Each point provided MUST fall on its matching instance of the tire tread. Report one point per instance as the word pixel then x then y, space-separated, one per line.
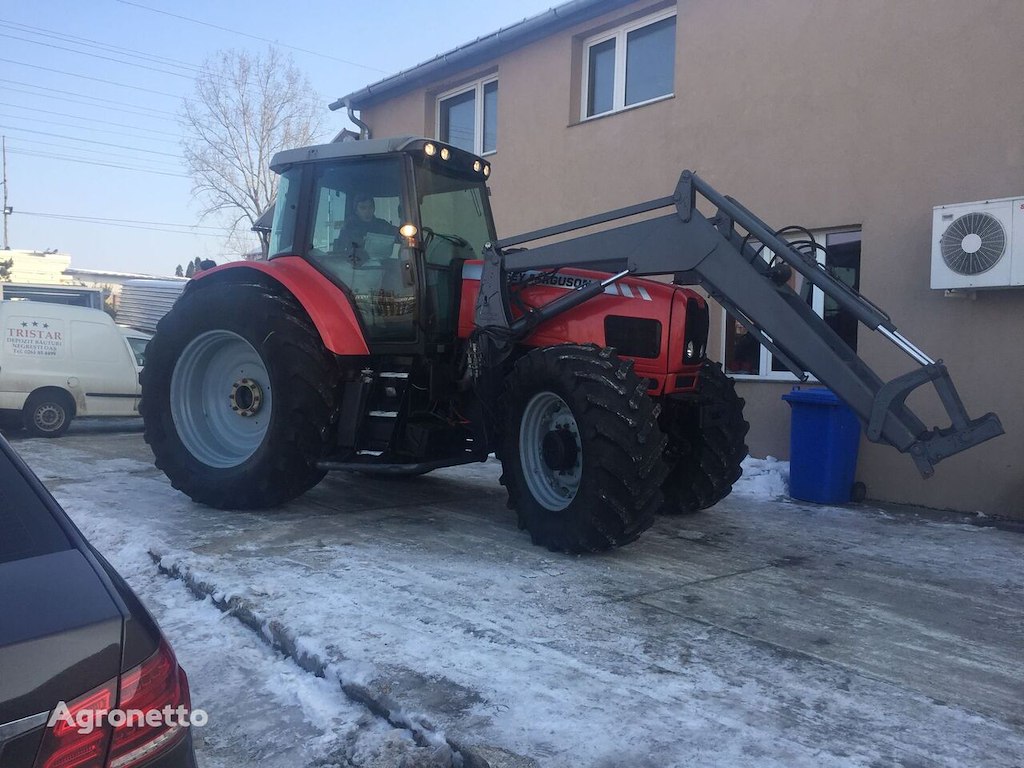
pixel 706 444
pixel 303 374
pixel 622 443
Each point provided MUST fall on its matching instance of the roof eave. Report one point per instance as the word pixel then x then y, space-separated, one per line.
pixel 478 52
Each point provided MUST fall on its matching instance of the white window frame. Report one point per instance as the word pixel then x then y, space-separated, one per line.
pixel 620 35
pixel 478 112
pixel 765 372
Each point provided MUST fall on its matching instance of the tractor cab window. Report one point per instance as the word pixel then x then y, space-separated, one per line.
pixel 357 210
pixel 455 223
pixel 454 214
pixel 282 233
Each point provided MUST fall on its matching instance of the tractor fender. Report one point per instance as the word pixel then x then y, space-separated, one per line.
pixel 325 303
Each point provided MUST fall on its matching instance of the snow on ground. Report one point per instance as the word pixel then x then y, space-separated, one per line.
pixel 263 710
pixel 766 479
pixel 425 594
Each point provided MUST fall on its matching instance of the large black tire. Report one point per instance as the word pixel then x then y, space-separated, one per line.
pixel 595 440
pixel 705 444
pixel 195 439
pixel 48 412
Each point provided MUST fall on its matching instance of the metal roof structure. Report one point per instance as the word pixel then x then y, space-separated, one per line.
pixel 144 302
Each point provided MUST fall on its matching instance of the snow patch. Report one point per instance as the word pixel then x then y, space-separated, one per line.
pixel 766 478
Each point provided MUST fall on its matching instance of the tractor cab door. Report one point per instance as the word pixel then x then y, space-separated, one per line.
pixel 455 223
pixel 357 207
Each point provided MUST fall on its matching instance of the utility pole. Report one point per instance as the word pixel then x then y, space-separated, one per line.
pixel 7 209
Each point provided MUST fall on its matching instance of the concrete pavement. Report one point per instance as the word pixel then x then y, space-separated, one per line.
pixel 761 632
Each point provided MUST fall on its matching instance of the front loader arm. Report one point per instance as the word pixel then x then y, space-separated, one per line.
pixel 710 251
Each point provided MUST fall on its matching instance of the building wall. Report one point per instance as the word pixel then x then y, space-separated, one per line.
pixel 37 267
pixel 825 114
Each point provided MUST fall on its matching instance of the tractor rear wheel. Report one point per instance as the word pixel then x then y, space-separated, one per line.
pixel 239 397
pixel 581 449
pixel 705 444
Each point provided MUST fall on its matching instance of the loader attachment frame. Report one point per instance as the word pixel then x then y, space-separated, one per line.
pixel 711 252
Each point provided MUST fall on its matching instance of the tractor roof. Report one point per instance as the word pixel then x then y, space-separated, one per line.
pixel 342 149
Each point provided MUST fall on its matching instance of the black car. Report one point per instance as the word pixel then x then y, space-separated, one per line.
pixel 77 648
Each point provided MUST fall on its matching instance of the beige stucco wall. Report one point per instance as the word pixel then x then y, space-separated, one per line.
pixel 824 113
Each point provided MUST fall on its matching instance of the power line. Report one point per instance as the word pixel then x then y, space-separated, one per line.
pixel 87 220
pixel 106 219
pixel 89 43
pixel 68 159
pixel 105 161
pixel 97 56
pixel 50 123
pixel 87 77
pixel 83 96
pixel 192 71
pixel 90 141
pixel 252 37
pixel 156 163
pixel 36 110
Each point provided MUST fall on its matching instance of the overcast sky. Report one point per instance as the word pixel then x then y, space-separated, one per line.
pixel 90 93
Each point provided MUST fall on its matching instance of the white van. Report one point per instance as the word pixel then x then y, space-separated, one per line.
pixel 58 362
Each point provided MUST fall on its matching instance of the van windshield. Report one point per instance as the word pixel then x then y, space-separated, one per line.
pixel 138 349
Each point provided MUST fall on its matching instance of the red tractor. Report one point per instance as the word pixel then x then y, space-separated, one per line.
pixel 391 333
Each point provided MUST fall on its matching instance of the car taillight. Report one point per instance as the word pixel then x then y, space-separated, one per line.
pixel 66 746
pixel 158 685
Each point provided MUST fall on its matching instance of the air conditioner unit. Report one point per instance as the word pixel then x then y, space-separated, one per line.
pixel 978 245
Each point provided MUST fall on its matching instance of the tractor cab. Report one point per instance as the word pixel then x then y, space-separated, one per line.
pixel 390 221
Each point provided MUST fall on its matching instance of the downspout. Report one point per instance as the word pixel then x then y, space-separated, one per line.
pixel 364 129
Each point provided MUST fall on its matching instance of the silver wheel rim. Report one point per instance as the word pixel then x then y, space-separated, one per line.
pixel 221 399
pixel 49 417
pixel 548 418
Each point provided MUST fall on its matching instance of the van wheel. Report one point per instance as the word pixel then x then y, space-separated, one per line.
pixel 47 413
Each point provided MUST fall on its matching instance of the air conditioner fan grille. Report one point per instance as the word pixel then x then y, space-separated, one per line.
pixel 973 243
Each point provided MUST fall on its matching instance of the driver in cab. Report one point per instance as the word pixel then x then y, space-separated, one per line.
pixel 363 223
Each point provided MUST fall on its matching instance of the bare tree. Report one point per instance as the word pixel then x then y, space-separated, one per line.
pixel 245 108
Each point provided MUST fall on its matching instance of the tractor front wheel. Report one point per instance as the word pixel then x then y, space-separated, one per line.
pixel 238 397
pixel 581 449
pixel 705 444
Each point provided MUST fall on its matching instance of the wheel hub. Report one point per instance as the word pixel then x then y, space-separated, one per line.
pixel 215 366
pixel 48 417
pixel 559 449
pixel 246 397
pixel 550 451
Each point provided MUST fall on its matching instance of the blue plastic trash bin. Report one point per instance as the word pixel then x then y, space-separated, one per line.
pixel 824 438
